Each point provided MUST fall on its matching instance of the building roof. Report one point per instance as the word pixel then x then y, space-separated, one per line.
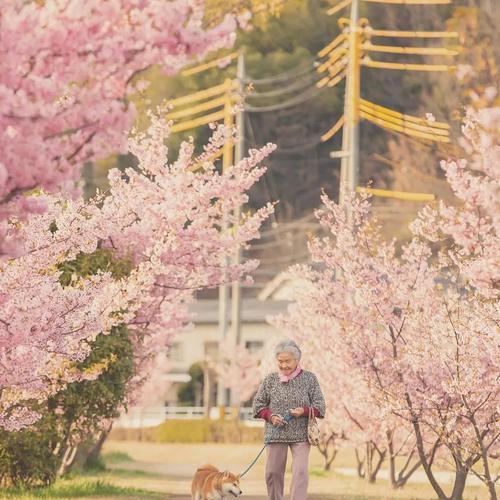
pixel 252 310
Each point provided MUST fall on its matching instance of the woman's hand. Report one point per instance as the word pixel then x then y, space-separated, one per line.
pixel 277 420
pixel 297 412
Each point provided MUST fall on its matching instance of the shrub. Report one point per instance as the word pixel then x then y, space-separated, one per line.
pixel 71 419
pixel 192 431
pixel 26 457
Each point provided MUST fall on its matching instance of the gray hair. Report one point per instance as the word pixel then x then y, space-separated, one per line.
pixel 288 346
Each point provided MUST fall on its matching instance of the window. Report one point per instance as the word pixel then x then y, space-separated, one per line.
pixel 254 346
pixel 211 349
pixel 176 352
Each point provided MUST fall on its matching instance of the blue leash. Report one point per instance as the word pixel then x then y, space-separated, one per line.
pixel 287 419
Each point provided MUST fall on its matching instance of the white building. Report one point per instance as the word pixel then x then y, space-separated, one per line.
pixel 204 338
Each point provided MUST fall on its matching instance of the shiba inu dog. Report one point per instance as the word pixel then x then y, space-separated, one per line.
pixel 211 484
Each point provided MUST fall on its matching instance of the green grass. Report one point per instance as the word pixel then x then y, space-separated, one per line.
pixel 117 457
pixel 316 472
pixel 79 489
pixel 133 473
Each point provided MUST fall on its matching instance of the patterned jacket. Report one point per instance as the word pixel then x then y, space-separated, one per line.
pixel 280 397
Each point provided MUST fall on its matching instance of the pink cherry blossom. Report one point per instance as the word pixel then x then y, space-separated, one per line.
pixel 237 369
pixel 400 341
pixel 163 217
pixel 66 68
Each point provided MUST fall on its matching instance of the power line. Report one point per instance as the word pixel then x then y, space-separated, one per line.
pixel 298 84
pixel 294 101
pixel 297 149
pixel 282 77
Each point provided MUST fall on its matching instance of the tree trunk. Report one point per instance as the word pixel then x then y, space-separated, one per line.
pixel 392 460
pixel 459 484
pixel 95 451
pixel 490 483
pixel 67 460
pixel 372 474
pixel 427 465
pixel 491 489
pixel 328 448
pixel 399 479
pixel 369 464
pixel 360 464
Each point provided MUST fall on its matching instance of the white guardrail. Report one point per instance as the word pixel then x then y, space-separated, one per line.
pixel 151 416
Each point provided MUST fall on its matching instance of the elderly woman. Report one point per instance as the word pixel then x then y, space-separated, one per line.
pixel 288 393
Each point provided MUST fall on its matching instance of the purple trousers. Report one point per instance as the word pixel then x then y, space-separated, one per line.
pixel 276 465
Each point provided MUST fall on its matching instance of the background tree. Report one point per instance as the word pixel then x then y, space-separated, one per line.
pixel 174 244
pixel 418 324
pixel 189 393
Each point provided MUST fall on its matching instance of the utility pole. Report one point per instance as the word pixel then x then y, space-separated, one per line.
pixel 227 161
pixel 239 152
pixel 355 43
pixel 236 297
pixel 350 136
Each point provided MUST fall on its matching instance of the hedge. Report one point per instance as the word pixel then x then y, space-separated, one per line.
pixel 192 431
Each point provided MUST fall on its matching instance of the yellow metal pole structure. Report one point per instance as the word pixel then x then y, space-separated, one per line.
pixel 350 137
pixel 423 51
pixel 398 195
pixel 412 2
pixel 200 95
pixel 414 34
pixel 407 66
pixel 339 6
pixel 208 65
pixel 227 160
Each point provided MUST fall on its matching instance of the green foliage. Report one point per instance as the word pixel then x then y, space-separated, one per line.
pixel 26 457
pixel 33 456
pixel 85 265
pixel 29 457
pixel 280 44
pixel 93 400
pixel 94 465
pixel 187 391
pixel 79 489
pixel 117 457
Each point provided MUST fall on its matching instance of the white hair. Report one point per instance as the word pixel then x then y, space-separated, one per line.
pixel 288 345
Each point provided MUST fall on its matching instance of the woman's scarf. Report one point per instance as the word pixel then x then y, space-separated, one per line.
pixel 287 378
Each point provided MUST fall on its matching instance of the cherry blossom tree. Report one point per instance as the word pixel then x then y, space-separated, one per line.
pixel 473 228
pixel 237 369
pixel 421 341
pixel 354 417
pixel 66 68
pixel 474 225
pixel 166 219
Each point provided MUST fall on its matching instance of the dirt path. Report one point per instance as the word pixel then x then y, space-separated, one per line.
pixel 310 497
pixel 169 468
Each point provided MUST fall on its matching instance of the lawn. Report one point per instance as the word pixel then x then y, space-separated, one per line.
pixel 83 487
